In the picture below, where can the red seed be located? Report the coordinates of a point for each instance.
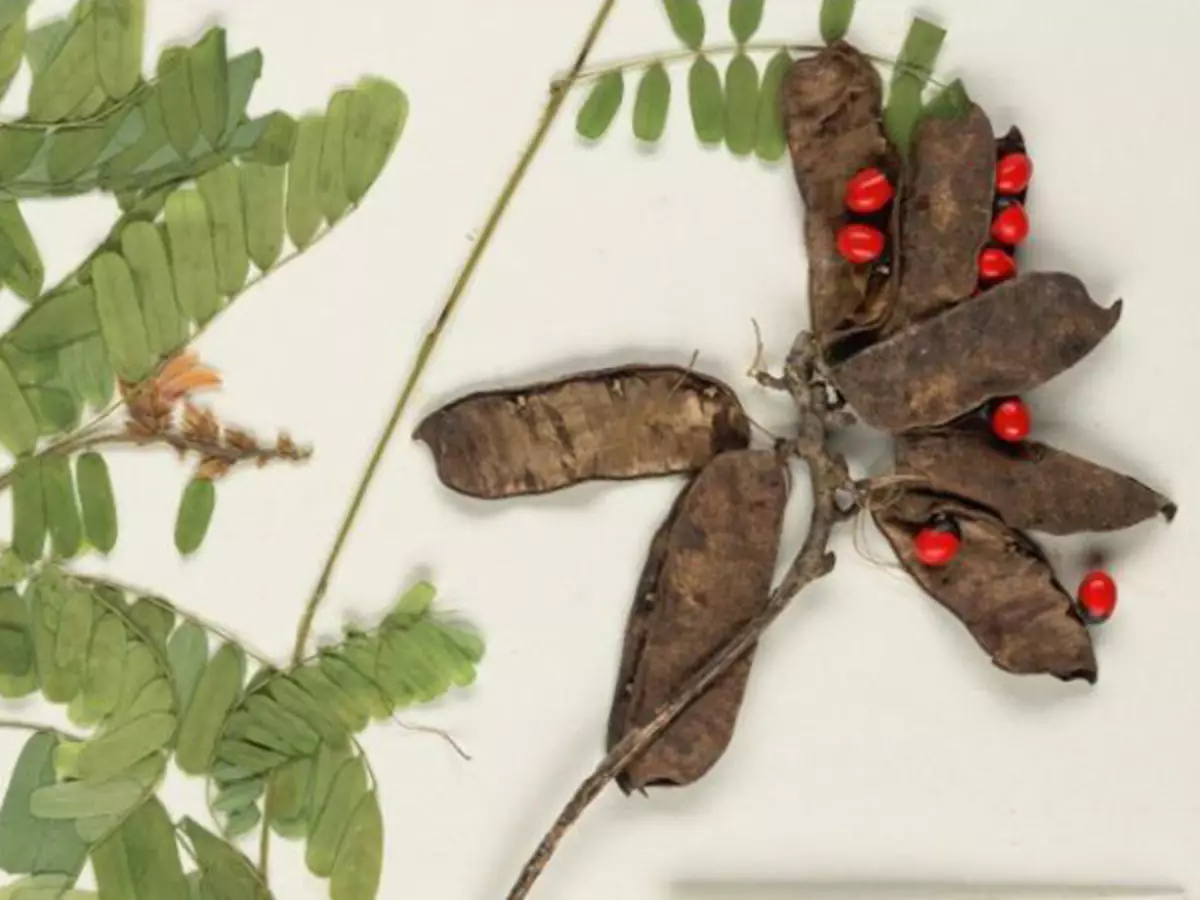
(1011, 420)
(996, 265)
(869, 191)
(1011, 226)
(1013, 173)
(1096, 597)
(860, 243)
(936, 546)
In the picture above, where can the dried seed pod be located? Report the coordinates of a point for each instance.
(614, 424)
(1000, 586)
(946, 213)
(708, 573)
(1031, 485)
(1006, 341)
(832, 110)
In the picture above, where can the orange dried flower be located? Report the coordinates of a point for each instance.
(185, 375)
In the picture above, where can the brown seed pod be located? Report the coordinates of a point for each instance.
(708, 572)
(613, 424)
(833, 115)
(1006, 341)
(946, 213)
(1032, 486)
(1000, 586)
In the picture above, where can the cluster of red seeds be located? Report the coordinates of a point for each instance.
(1010, 223)
(869, 194)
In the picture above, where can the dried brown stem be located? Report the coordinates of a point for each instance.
(828, 476)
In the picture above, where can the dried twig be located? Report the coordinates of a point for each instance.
(829, 477)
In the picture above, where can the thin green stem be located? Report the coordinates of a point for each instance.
(428, 345)
(16, 725)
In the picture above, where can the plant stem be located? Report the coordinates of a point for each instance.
(828, 475)
(17, 725)
(558, 95)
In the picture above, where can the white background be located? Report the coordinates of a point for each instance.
(877, 741)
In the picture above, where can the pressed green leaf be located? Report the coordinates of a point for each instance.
(374, 123)
(55, 409)
(225, 873)
(37, 367)
(140, 860)
(216, 693)
(744, 18)
(120, 29)
(69, 76)
(104, 668)
(141, 667)
(653, 101)
(770, 144)
(87, 371)
(413, 605)
(18, 425)
(156, 697)
(120, 316)
(239, 795)
(836, 16)
(303, 196)
(143, 247)
(21, 834)
(43, 42)
(601, 105)
(62, 508)
(16, 645)
(741, 105)
(298, 701)
(299, 737)
(47, 594)
(96, 500)
(113, 752)
(347, 791)
(12, 47)
(18, 147)
(195, 515)
(62, 318)
(952, 102)
(291, 785)
(363, 657)
(244, 725)
(331, 174)
(192, 258)
(331, 697)
(210, 84)
(74, 632)
(243, 821)
(187, 653)
(80, 799)
(359, 863)
(12, 10)
(326, 766)
(687, 20)
(222, 193)
(13, 569)
(29, 511)
(177, 101)
(152, 621)
(268, 140)
(263, 193)
(356, 686)
(22, 264)
(707, 101)
(74, 150)
(242, 73)
(152, 139)
(253, 758)
(917, 59)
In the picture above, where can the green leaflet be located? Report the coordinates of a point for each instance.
(687, 21)
(836, 16)
(69, 75)
(74, 631)
(331, 697)
(73, 151)
(84, 799)
(225, 873)
(303, 197)
(195, 515)
(96, 500)
(741, 105)
(18, 672)
(176, 100)
(145, 251)
(346, 792)
(187, 653)
(140, 860)
(20, 263)
(216, 693)
(62, 318)
(192, 259)
(257, 729)
(243, 821)
(87, 371)
(140, 668)
(326, 766)
(263, 197)
(601, 105)
(359, 863)
(29, 511)
(55, 410)
(105, 666)
(156, 697)
(120, 26)
(291, 785)
(153, 138)
(120, 316)
(210, 84)
(299, 738)
(12, 569)
(18, 425)
(114, 751)
(374, 122)
(744, 18)
(47, 595)
(653, 101)
(770, 145)
(43, 43)
(301, 703)
(30, 368)
(951, 102)
(12, 47)
(18, 147)
(254, 759)
(331, 175)
(239, 795)
(917, 60)
(222, 193)
(62, 509)
(241, 74)
(356, 685)
(152, 621)
(25, 841)
(707, 101)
